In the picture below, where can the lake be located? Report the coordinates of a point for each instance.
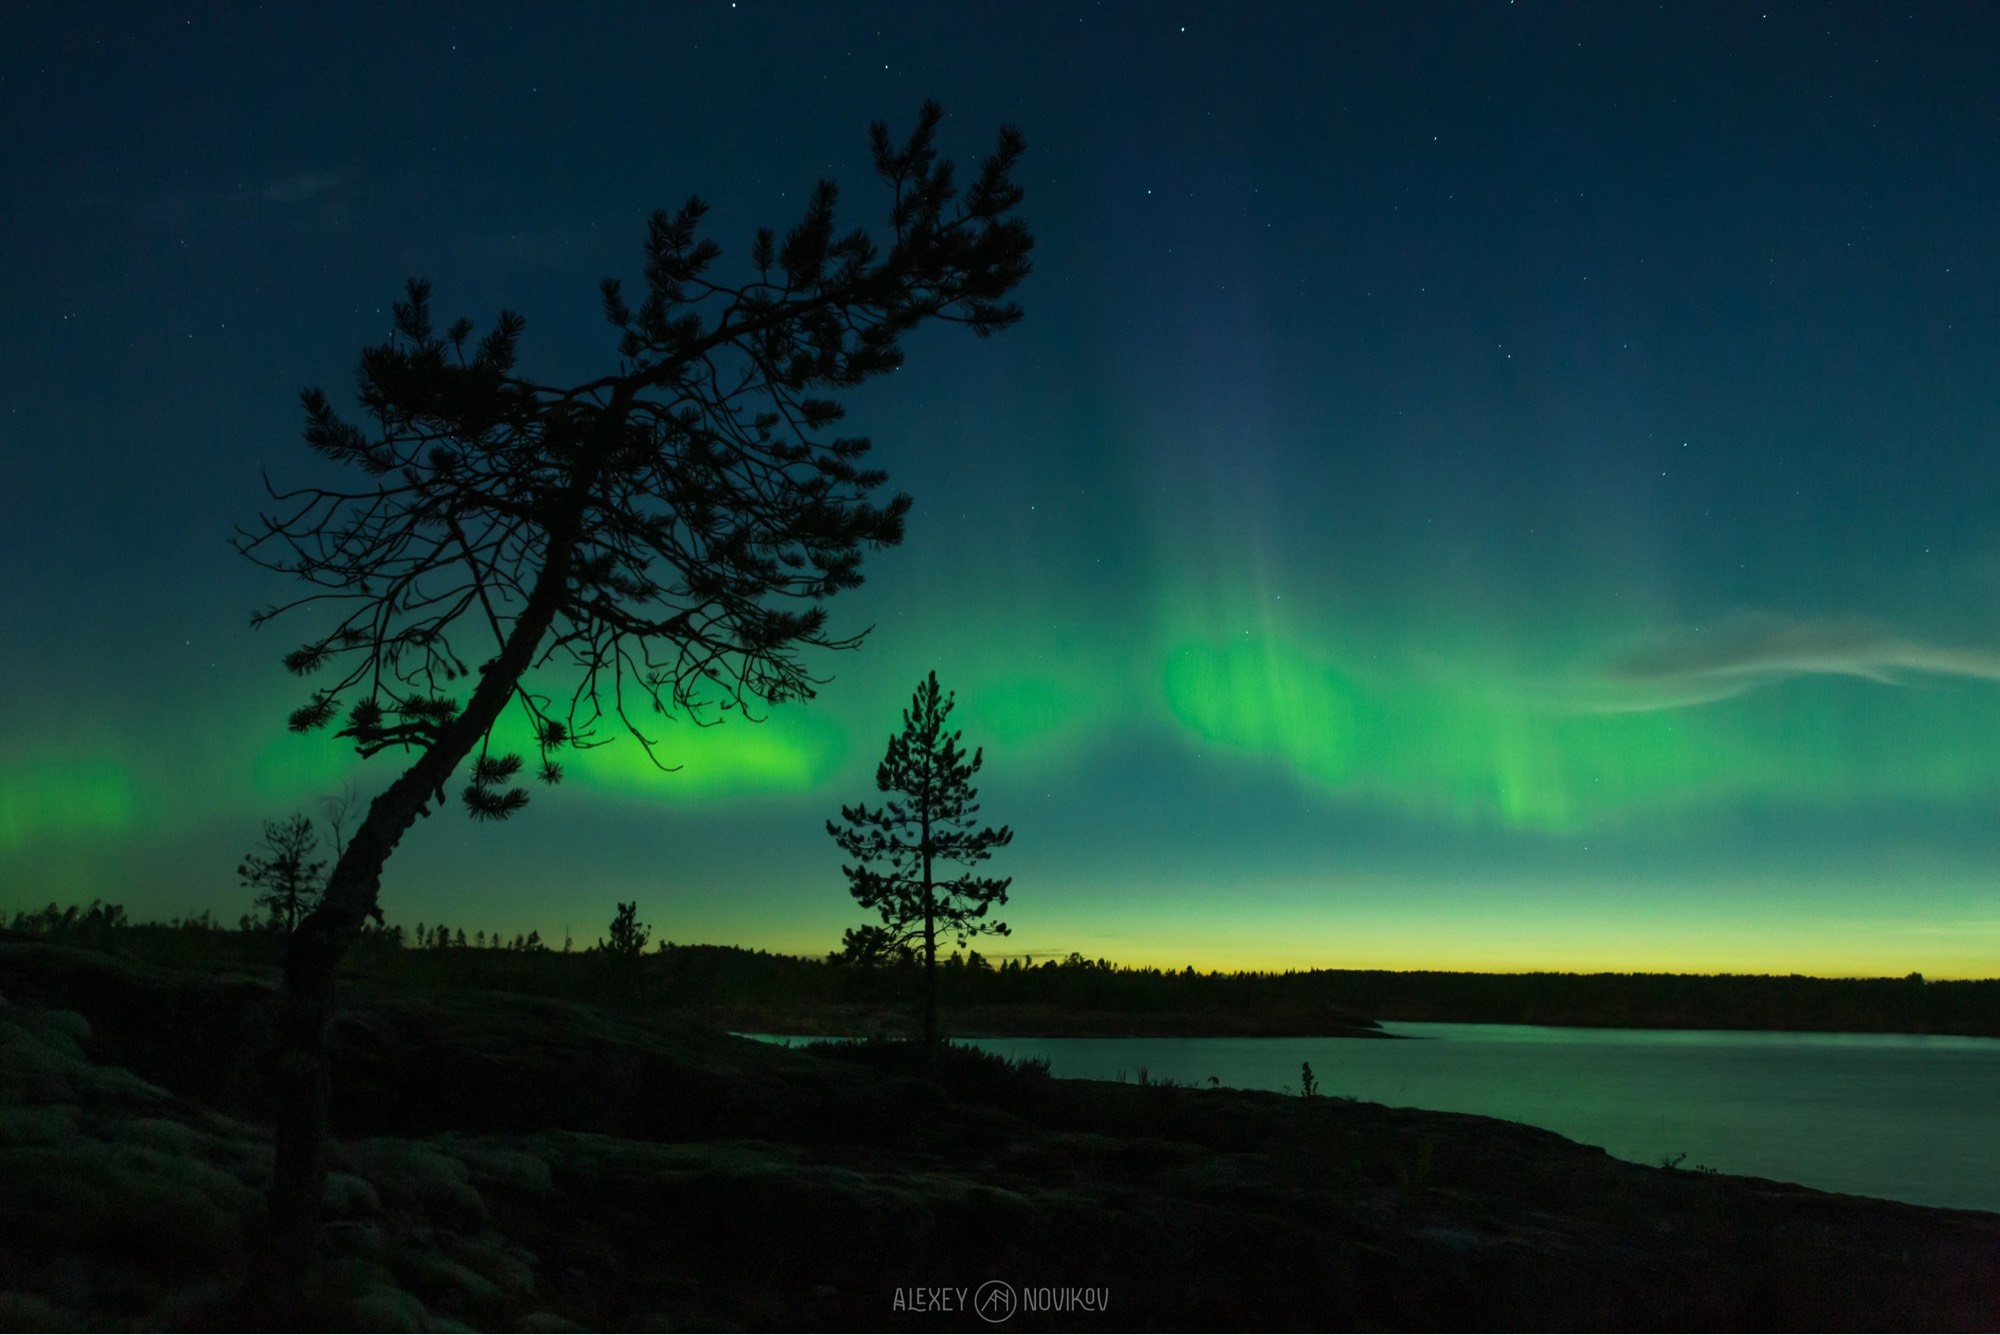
(1906, 1117)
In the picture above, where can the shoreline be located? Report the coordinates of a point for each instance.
(508, 1161)
(860, 1023)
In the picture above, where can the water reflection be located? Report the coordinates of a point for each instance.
(1899, 1116)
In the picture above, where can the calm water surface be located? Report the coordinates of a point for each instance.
(1906, 1117)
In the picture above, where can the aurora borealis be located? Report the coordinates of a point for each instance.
(1487, 485)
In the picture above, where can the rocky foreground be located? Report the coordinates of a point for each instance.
(530, 1164)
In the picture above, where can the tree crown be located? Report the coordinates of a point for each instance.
(669, 532)
(929, 819)
(628, 935)
(287, 880)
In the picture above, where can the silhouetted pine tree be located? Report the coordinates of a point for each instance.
(928, 821)
(287, 882)
(626, 947)
(664, 535)
(628, 935)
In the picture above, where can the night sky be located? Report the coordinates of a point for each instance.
(1478, 485)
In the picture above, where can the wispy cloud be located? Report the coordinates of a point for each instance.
(298, 195)
(1700, 664)
(1968, 927)
(300, 186)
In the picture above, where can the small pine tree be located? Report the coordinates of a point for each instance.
(628, 935)
(898, 845)
(287, 882)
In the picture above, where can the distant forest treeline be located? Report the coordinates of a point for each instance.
(733, 983)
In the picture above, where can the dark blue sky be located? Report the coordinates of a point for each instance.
(1495, 484)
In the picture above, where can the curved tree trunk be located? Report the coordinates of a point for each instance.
(282, 1275)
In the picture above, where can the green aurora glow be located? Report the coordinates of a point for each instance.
(1479, 749)
(1511, 493)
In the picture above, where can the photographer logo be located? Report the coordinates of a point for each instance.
(995, 1301)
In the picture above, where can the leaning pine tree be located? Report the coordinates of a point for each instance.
(899, 845)
(658, 540)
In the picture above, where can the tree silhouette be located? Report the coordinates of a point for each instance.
(628, 935)
(661, 538)
(339, 810)
(929, 821)
(871, 946)
(288, 884)
(626, 948)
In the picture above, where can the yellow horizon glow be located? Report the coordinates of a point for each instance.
(1759, 928)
